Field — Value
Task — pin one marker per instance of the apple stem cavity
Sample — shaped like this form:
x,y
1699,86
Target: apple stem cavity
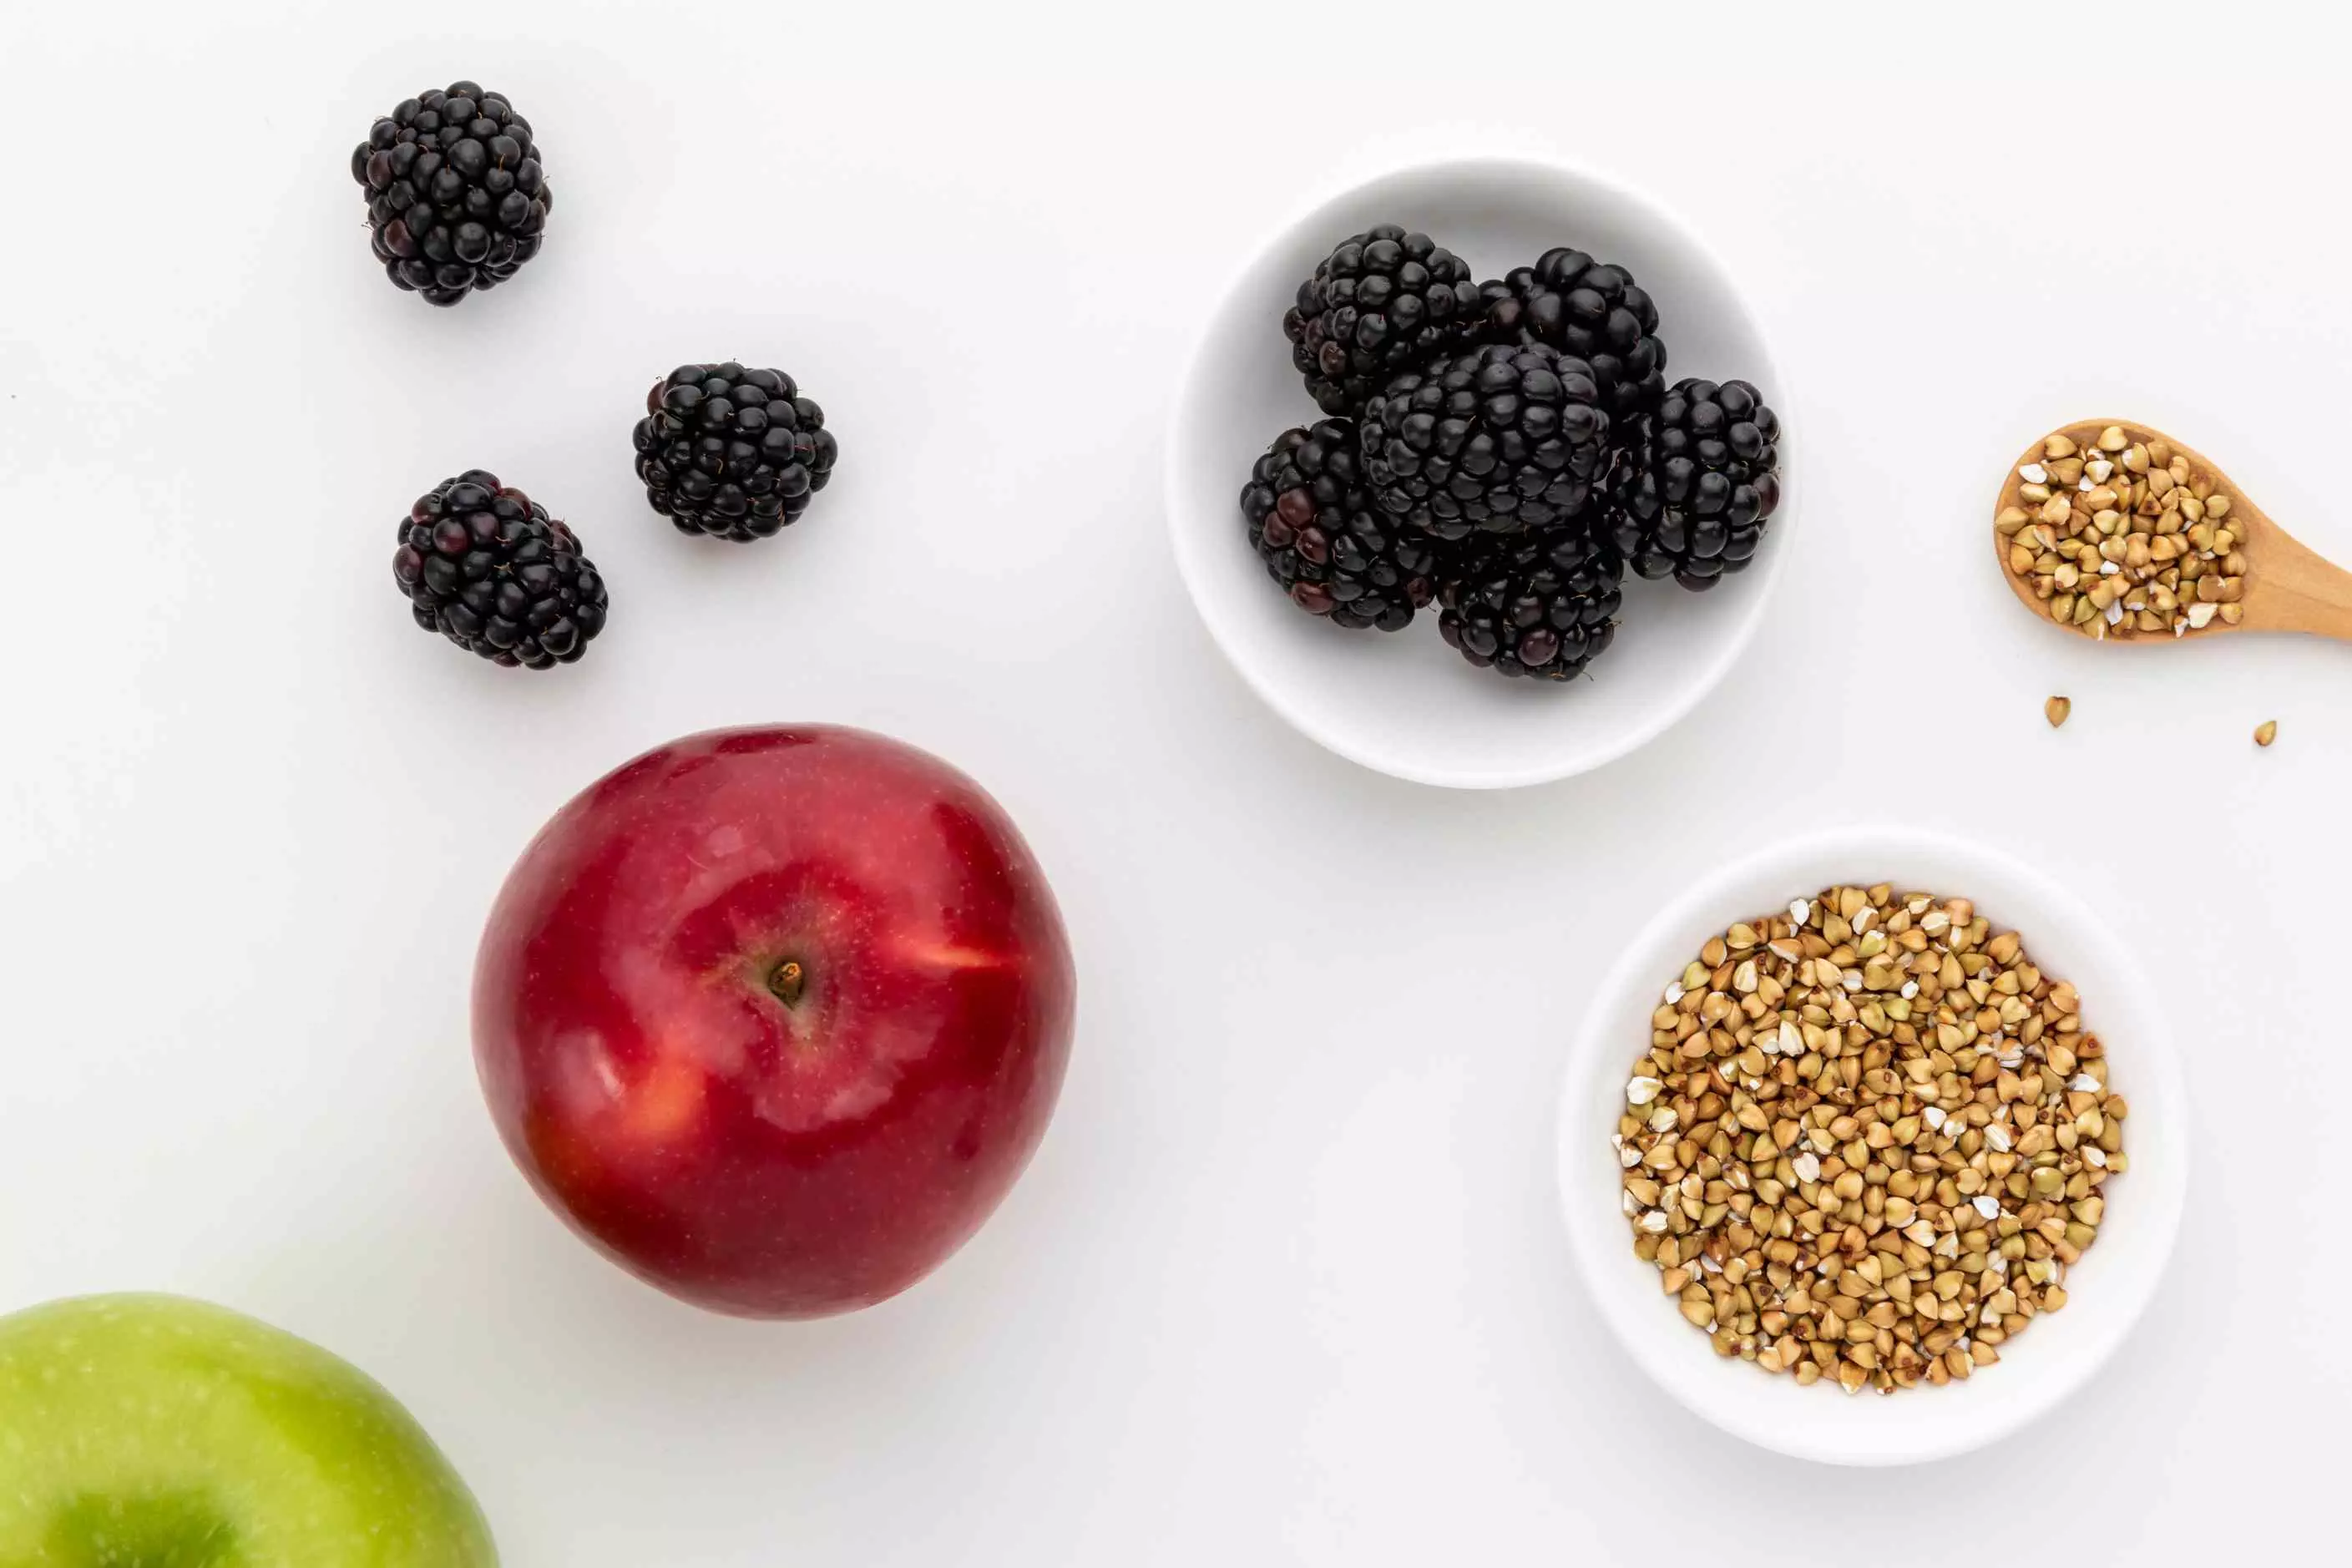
x,y
787,981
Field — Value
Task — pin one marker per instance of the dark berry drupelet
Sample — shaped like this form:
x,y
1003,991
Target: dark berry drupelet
x,y
1498,439
1543,603
1588,311
1695,483
1384,301
484,565
1313,523
456,197
732,453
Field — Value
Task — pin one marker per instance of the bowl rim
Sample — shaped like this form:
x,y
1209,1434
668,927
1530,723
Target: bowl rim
x,y
2161,1151
1179,453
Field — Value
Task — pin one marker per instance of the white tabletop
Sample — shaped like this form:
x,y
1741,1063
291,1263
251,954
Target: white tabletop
x,y
1285,1283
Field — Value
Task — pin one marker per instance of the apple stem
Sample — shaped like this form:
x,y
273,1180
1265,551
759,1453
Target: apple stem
x,y
787,981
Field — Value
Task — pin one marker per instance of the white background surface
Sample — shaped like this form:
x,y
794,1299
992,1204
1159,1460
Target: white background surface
x,y
1285,1282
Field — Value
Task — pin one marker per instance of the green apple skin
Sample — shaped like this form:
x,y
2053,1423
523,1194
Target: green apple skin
x,y
158,1432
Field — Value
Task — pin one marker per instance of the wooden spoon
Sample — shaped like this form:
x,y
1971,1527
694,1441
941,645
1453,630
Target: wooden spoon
x,y
2285,586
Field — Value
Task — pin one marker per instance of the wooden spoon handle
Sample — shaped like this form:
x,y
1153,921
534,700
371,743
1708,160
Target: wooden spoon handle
x,y
2297,589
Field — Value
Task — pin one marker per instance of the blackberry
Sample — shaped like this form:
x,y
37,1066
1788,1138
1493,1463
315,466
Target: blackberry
x,y
1587,310
1384,301
484,565
1313,523
1543,603
732,453
456,197
1500,438
1697,483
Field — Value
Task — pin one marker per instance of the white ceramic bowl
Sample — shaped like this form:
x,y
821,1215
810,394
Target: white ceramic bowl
x,y
1407,704
2106,1291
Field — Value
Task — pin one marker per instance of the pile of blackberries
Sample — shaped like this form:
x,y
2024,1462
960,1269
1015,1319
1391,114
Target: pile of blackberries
x,y
1506,450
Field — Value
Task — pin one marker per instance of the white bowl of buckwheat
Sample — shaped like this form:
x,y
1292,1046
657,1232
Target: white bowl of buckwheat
x,y
1872,1148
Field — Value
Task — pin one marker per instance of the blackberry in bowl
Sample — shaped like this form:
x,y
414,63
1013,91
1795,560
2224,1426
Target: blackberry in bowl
x,y
1588,311
1542,602
457,196
487,567
1496,440
1383,301
1311,519
1697,483
731,453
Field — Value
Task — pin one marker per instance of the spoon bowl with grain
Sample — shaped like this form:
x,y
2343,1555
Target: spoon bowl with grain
x,y
2119,532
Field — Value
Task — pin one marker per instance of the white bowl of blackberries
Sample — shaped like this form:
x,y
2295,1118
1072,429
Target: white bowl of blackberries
x,y
1478,476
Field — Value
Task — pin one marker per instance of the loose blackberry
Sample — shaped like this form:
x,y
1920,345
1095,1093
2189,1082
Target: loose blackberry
x,y
456,197
484,565
1313,523
1384,301
1695,483
1499,439
1591,311
1543,603
733,453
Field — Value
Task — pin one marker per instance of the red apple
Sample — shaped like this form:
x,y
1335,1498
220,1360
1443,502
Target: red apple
x,y
775,1017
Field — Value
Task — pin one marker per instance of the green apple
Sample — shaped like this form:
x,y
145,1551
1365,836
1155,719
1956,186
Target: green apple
x,y
157,1432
